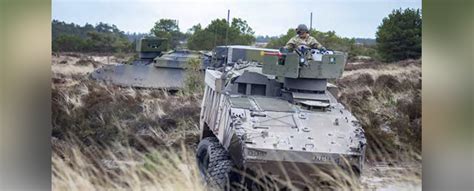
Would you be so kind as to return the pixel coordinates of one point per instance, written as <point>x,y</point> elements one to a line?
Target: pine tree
<point>399,35</point>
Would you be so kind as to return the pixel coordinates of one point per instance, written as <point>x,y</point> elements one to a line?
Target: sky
<point>348,18</point>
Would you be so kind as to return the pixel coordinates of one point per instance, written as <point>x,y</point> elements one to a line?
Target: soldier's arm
<point>291,44</point>
<point>315,44</point>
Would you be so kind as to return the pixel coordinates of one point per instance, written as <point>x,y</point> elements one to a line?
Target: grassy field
<point>107,137</point>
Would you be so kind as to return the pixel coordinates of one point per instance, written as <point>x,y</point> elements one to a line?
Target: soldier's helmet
<point>301,28</point>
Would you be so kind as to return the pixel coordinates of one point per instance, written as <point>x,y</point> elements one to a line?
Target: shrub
<point>399,35</point>
<point>194,78</point>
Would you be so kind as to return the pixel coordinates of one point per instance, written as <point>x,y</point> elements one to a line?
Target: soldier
<point>303,38</point>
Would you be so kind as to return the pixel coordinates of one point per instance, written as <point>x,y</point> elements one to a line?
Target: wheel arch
<point>206,131</point>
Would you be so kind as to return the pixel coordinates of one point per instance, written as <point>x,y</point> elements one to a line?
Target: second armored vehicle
<point>154,68</point>
<point>271,115</point>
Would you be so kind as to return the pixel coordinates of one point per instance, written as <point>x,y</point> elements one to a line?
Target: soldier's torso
<point>300,41</point>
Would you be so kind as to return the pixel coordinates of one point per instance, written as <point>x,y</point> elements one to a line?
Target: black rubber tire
<point>215,164</point>
<point>356,171</point>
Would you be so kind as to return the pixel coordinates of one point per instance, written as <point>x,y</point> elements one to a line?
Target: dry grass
<point>124,168</point>
<point>113,138</point>
<point>107,114</point>
<point>121,167</point>
<point>387,101</point>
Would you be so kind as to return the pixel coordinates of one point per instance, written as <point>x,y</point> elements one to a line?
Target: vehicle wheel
<point>356,171</point>
<point>214,163</point>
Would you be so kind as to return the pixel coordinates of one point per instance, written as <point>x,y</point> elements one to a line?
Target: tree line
<point>102,37</point>
<point>218,32</point>
<point>398,37</point>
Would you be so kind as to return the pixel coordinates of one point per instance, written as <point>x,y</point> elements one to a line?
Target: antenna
<point>227,29</point>
<point>215,36</point>
<point>311,21</point>
<point>224,72</point>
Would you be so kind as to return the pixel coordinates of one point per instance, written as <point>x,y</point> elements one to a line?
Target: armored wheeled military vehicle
<point>270,114</point>
<point>154,68</point>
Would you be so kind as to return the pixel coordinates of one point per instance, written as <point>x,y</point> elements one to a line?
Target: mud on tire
<point>214,163</point>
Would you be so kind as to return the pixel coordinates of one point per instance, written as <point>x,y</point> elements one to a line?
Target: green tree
<point>195,28</point>
<point>100,42</point>
<point>65,42</point>
<point>101,38</point>
<point>169,29</point>
<point>399,35</point>
<point>239,33</point>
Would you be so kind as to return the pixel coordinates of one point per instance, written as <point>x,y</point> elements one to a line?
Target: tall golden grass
<point>130,169</point>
